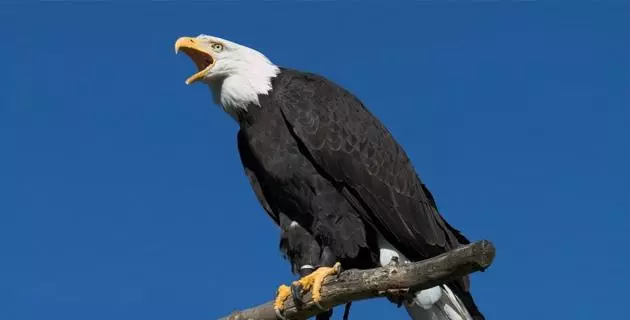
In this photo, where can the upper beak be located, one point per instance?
(186, 42)
(198, 53)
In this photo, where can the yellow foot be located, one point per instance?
(313, 282)
(282, 295)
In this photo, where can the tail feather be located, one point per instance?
(450, 301)
(466, 299)
(439, 303)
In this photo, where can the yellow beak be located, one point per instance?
(201, 56)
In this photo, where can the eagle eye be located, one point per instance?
(217, 47)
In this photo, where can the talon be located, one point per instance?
(279, 314)
(319, 306)
(282, 294)
(394, 261)
(296, 294)
(397, 297)
(313, 282)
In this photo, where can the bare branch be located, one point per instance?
(353, 285)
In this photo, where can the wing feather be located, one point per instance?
(355, 150)
(250, 165)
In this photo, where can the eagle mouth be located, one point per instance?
(202, 59)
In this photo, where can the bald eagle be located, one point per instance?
(341, 189)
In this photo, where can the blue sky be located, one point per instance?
(122, 196)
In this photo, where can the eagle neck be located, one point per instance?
(238, 92)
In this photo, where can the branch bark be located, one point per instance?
(354, 285)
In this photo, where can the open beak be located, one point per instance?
(200, 55)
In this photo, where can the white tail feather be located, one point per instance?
(437, 303)
(447, 307)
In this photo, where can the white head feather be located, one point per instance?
(239, 74)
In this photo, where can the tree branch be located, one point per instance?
(353, 285)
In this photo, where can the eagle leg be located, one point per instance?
(282, 294)
(313, 282)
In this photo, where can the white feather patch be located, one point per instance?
(239, 75)
(437, 303)
(426, 298)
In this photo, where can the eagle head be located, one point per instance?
(235, 73)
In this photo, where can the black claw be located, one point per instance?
(398, 297)
(394, 261)
(296, 294)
